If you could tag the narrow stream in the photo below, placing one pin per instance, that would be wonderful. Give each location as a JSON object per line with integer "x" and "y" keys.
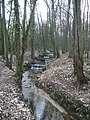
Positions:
{"x": 43, "y": 107}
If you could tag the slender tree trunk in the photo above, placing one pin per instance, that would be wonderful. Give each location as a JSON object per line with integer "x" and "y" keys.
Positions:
{"x": 1, "y": 34}
{"x": 11, "y": 46}
{"x": 43, "y": 37}
{"x": 68, "y": 27}
{"x": 60, "y": 17}
{"x": 5, "y": 35}
{"x": 32, "y": 38}
{"x": 40, "y": 36}
{"x": 17, "y": 40}
{"x": 70, "y": 49}
{"x": 78, "y": 48}
{"x": 24, "y": 34}
{"x": 86, "y": 36}
{"x": 30, "y": 19}
{"x": 52, "y": 30}
{"x": 32, "y": 30}
{"x": 10, "y": 37}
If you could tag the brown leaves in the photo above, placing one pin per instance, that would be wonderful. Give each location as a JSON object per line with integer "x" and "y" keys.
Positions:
{"x": 11, "y": 105}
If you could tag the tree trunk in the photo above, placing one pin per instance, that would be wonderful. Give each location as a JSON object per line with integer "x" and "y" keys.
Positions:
{"x": 5, "y": 35}
{"x": 78, "y": 43}
{"x": 43, "y": 37}
{"x": 1, "y": 34}
{"x": 24, "y": 34}
{"x": 10, "y": 36}
{"x": 86, "y": 36}
{"x": 17, "y": 40}
{"x": 32, "y": 30}
{"x": 52, "y": 30}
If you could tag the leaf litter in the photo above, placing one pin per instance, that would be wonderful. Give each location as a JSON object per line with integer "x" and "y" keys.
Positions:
{"x": 12, "y": 107}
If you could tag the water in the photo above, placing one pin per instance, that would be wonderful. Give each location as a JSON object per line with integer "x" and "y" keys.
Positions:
{"x": 44, "y": 108}
{"x": 38, "y": 68}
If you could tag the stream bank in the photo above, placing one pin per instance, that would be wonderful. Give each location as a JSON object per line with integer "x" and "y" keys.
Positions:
{"x": 75, "y": 108}
{"x": 43, "y": 107}
{"x": 59, "y": 82}
{"x": 12, "y": 107}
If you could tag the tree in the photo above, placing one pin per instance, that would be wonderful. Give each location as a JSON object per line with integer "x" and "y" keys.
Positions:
{"x": 32, "y": 30}
{"x": 52, "y": 29}
{"x": 17, "y": 40}
{"x": 21, "y": 43}
{"x": 78, "y": 42}
{"x": 68, "y": 27}
{"x": 23, "y": 33}
{"x": 10, "y": 35}
{"x": 26, "y": 29}
{"x": 1, "y": 32}
{"x": 87, "y": 33}
{"x": 5, "y": 35}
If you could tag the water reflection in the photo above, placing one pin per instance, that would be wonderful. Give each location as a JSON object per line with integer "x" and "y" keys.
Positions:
{"x": 44, "y": 108}
{"x": 25, "y": 85}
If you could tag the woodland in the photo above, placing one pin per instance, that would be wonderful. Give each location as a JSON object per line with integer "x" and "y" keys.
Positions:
{"x": 25, "y": 38}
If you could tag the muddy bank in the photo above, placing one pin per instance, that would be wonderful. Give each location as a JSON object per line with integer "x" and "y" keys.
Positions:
{"x": 59, "y": 81}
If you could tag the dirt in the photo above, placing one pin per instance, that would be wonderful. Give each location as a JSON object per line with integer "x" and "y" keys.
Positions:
{"x": 61, "y": 83}
{"x": 58, "y": 80}
{"x": 12, "y": 106}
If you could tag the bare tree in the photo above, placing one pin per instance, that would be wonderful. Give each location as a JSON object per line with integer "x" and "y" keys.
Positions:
{"x": 32, "y": 29}
{"x": 5, "y": 35}
{"x": 78, "y": 42}
{"x": 1, "y": 32}
{"x": 17, "y": 41}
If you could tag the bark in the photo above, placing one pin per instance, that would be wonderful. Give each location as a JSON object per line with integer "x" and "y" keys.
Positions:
{"x": 68, "y": 27}
{"x": 11, "y": 46}
{"x": 1, "y": 34}
{"x": 17, "y": 40}
{"x": 52, "y": 30}
{"x": 23, "y": 31}
{"x": 86, "y": 37}
{"x": 32, "y": 38}
{"x": 70, "y": 49}
{"x": 43, "y": 38}
{"x": 30, "y": 19}
{"x": 78, "y": 43}
{"x": 0, "y": 31}
{"x": 32, "y": 30}
{"x": 5, "y": 35}
{"x": 60, "y": 17}
{"x": 39, "y": 36}
{"x": 10, "y": 37}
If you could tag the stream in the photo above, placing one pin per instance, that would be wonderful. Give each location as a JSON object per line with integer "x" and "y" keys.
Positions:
{"x": 43, "y": 107}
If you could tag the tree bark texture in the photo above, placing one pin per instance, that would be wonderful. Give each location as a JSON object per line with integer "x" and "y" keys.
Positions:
{"x": 78, "y": 42}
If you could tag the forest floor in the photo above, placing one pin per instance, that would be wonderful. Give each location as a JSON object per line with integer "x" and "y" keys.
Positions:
{"x": 61, "y": 83}
{"x": 58, "y": 80}
{"x": 12, "y": 106}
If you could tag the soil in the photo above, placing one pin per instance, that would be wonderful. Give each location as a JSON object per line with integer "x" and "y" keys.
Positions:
{"x": 58, "y": 80}
{"x": 12, "y": 107}
{"x": 61, "y": 83}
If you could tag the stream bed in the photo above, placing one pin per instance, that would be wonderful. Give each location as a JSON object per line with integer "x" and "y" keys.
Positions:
{"x": 43, "y": 107}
